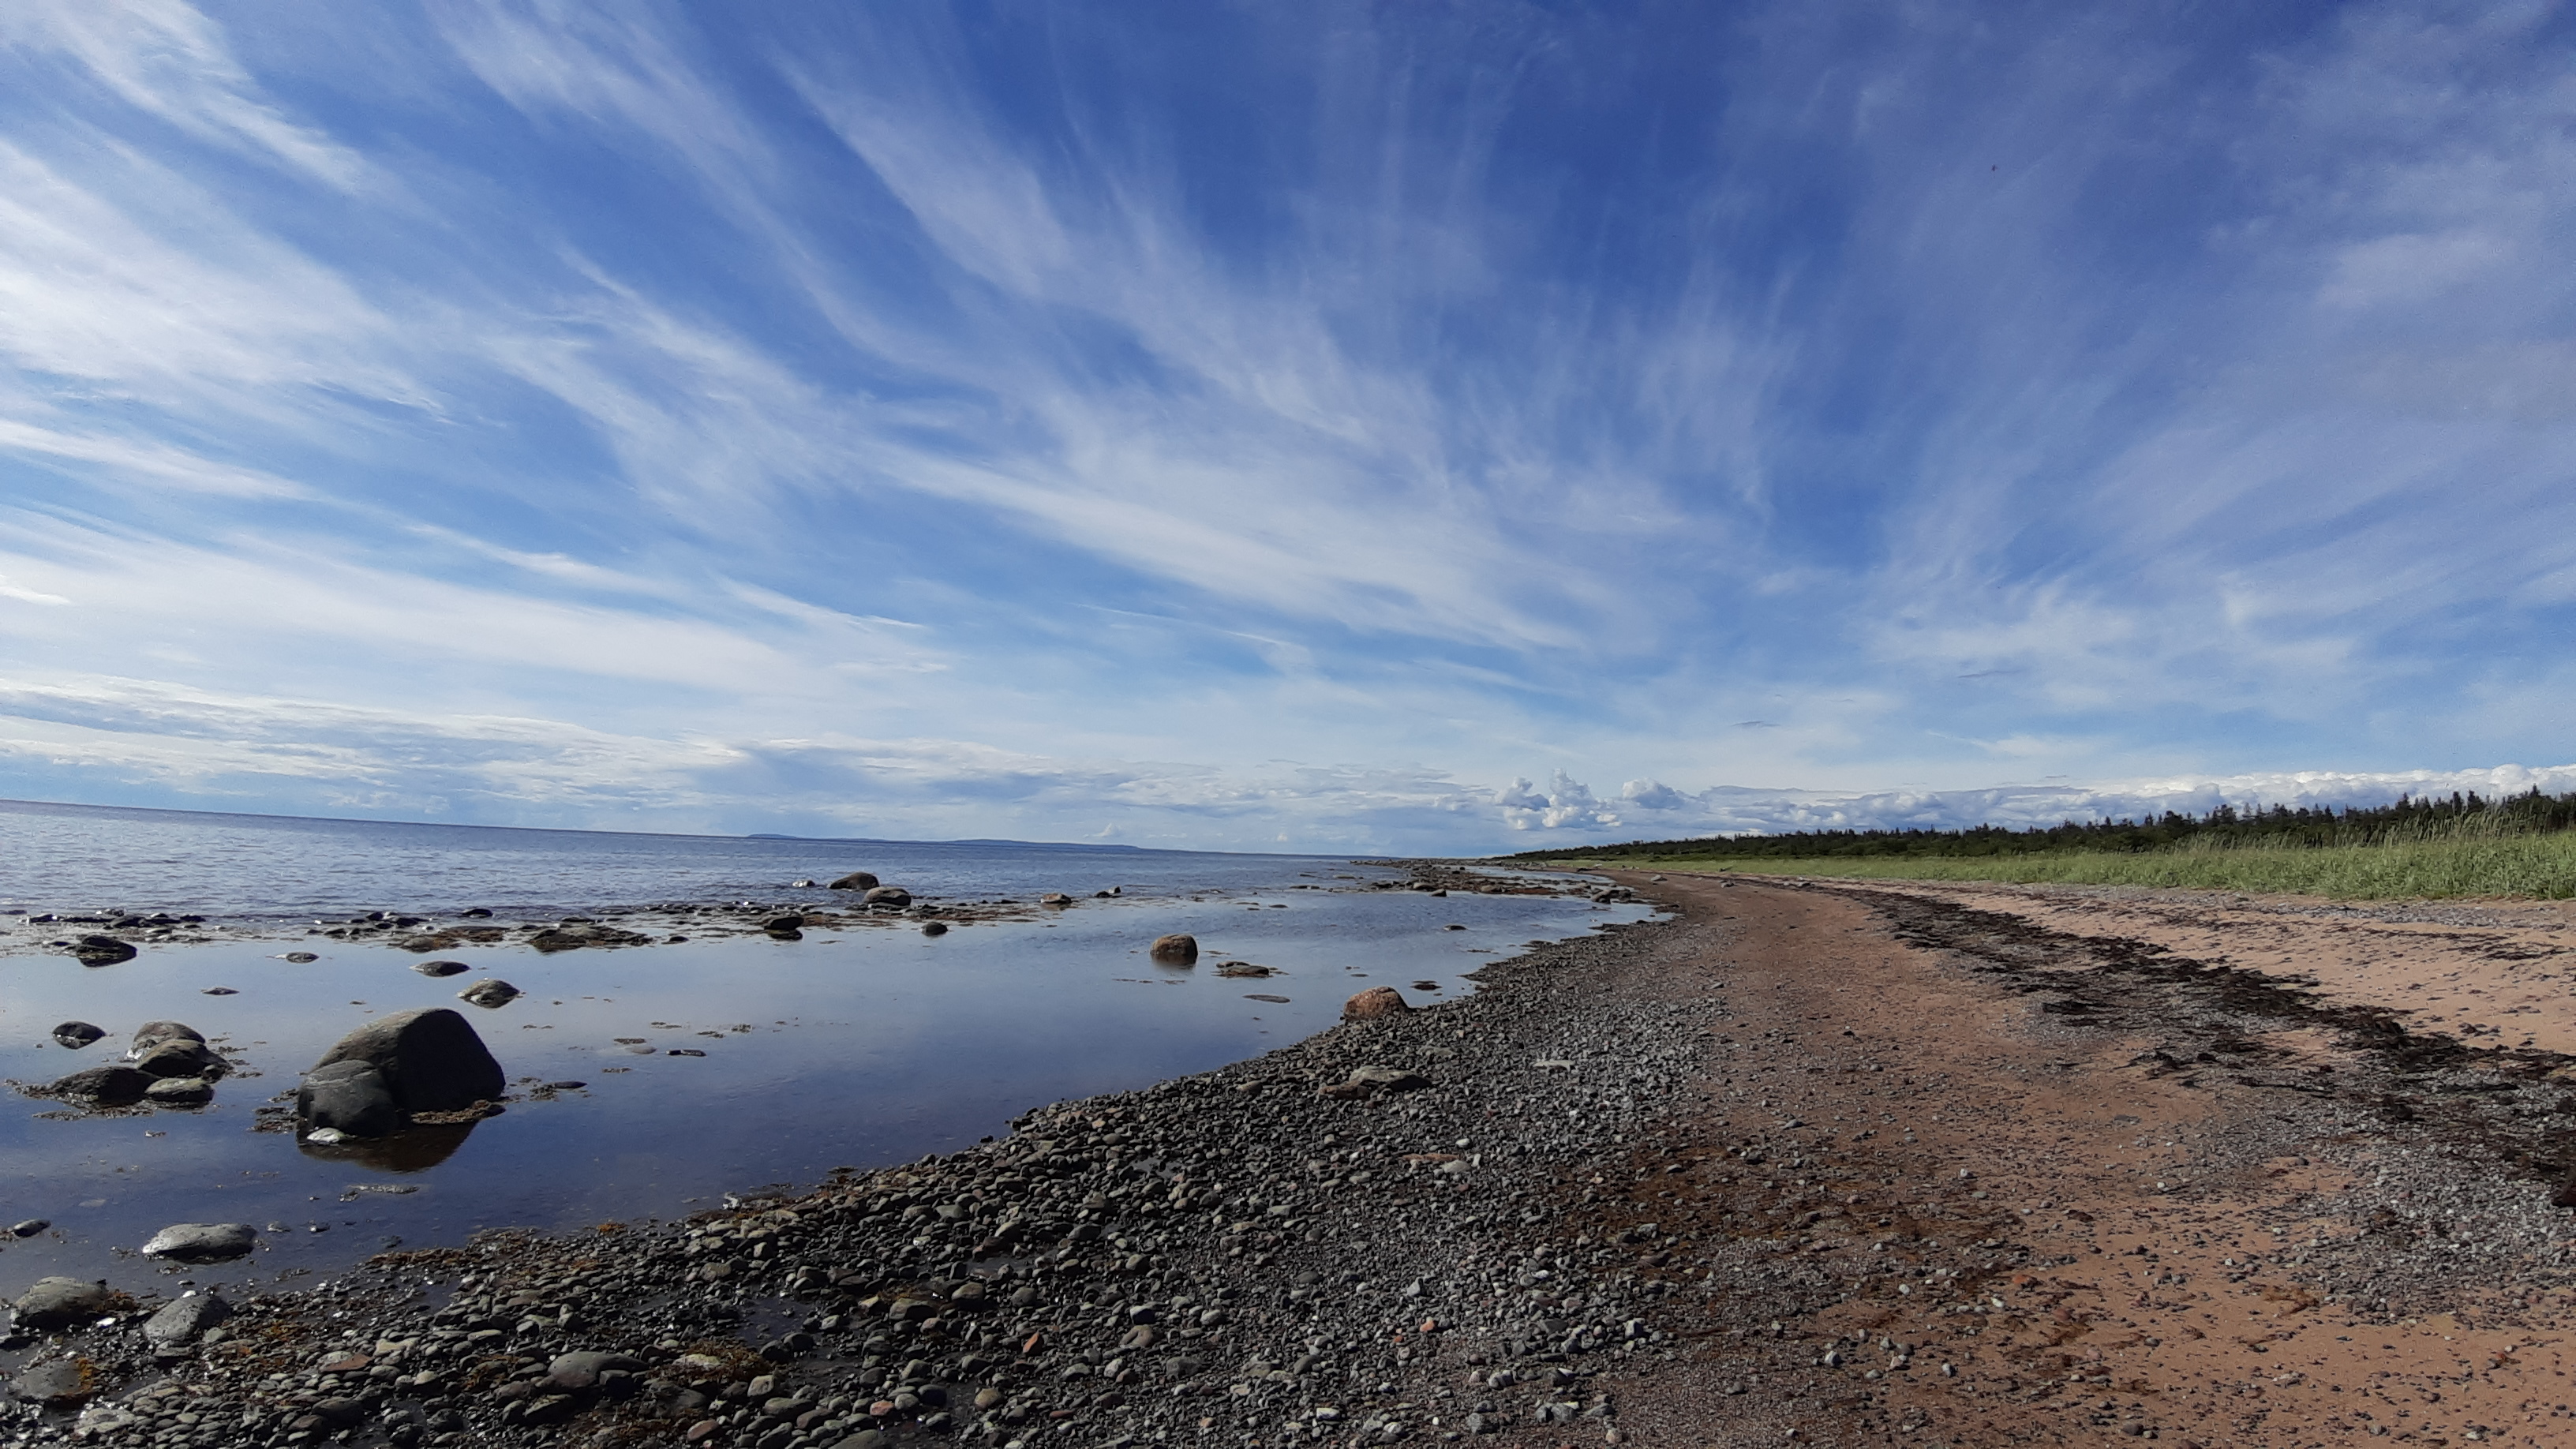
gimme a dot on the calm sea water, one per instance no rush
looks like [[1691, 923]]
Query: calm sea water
[[860, 1046]]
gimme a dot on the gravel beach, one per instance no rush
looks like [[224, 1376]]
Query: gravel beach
[[1814, 1164]]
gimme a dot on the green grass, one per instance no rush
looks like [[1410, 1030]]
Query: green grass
[[2464, 864]]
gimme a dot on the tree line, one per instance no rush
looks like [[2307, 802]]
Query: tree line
[[2310, 826]]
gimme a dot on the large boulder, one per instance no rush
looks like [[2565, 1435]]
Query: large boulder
[[1176, 948], [857, 880], [352, 1097], [202, 1242], [891, 897], [117, 1086], [1373, 1003], [63, 1302], [429, 1057]]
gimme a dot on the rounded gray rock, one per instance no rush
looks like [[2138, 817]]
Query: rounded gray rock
[[76, 1034], [180, 1092], [182, 1320], [62, 1302], [429, 1057], [491, 991], [857, 880], [202, 1242], [894, 897]]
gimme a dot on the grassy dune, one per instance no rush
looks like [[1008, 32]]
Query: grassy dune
[[2466, 864]]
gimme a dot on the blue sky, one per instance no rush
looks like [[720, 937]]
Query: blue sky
[[1399, 427]]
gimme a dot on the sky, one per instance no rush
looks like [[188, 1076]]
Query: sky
[[1392, 428]]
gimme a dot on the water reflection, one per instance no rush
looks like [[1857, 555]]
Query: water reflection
[[414, 1149]]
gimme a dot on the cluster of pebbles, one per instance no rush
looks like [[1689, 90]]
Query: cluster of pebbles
[[1348, 1240]]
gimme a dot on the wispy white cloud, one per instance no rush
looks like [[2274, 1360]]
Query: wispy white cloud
[[167, 59]]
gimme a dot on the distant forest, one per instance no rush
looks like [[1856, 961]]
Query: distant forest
[[2433, 817]]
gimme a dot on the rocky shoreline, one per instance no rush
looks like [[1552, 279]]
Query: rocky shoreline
[[1341, 1241]]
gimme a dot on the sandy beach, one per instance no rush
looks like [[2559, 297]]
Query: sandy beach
[[1800, 1164]]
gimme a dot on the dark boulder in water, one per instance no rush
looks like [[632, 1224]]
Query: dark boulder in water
[[441, 968], [892, 897], [1176, 948], [101, 951], [430, 1058], [76, 1034], [857, 880], [118, 1086]]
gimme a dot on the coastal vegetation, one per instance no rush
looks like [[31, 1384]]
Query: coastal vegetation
[[2462, 845]]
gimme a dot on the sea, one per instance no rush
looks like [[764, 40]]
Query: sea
[[648, 1082]]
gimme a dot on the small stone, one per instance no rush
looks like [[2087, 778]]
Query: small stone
[[442, 968], [302, 958], [934, 928], [29, 1228], [1176, 947]]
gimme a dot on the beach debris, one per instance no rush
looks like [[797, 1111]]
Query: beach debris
[[491, 991], [1373, 1003], [857, 880], [76, 1034], [101, 951], [326, 1136], [202, 1242], [1176, 947]]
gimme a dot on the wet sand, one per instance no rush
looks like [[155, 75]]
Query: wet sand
[[1833, 1164]]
